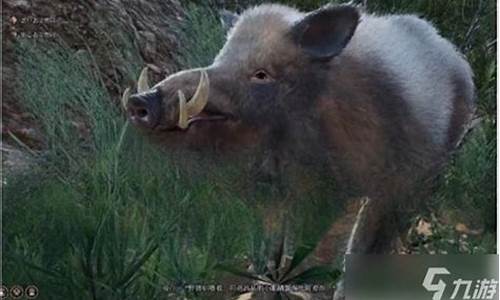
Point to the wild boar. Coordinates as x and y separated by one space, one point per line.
380 100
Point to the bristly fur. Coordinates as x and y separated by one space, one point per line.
382 101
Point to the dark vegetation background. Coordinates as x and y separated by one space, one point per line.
90 210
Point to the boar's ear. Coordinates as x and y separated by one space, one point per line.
227 18
323 33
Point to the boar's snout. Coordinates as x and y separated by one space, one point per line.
149 109
144 109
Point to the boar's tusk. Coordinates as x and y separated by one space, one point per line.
183 113
142 83
125 97
196 104
200 98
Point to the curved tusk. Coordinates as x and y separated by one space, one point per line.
183 114
125 97
142 83
200 98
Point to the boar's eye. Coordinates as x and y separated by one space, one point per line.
261 76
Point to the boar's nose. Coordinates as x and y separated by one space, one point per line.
144 109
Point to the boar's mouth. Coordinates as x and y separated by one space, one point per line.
208 115
195 110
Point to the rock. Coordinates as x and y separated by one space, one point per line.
14 161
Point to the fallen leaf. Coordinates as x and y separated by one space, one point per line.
424 228
461 227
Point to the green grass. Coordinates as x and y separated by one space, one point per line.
105 215
201 36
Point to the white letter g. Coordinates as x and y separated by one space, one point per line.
439 287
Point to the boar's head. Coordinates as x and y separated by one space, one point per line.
260 89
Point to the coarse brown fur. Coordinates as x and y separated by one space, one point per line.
295 90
